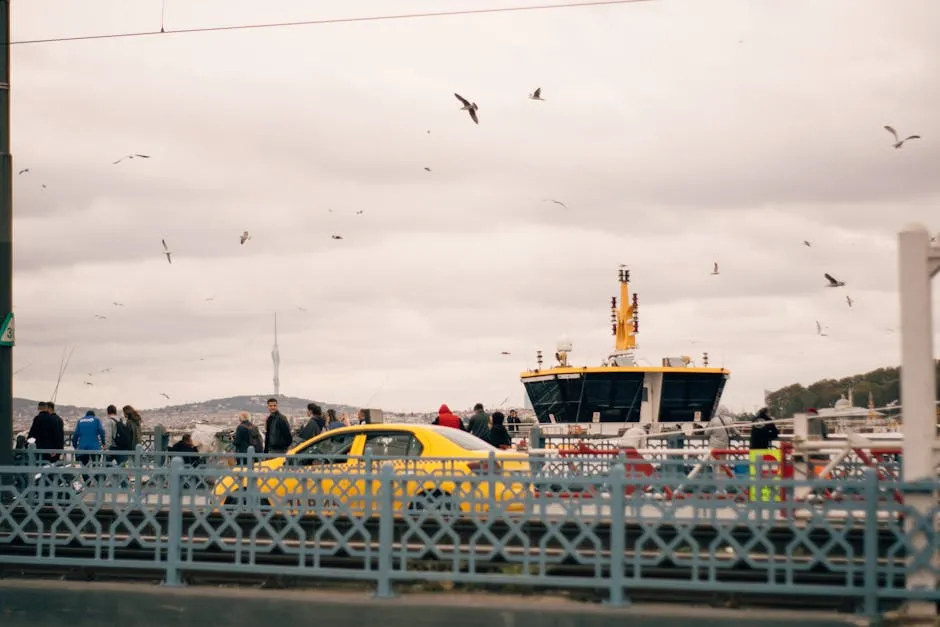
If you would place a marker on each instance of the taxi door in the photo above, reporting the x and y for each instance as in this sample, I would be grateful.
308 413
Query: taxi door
329 467
403 450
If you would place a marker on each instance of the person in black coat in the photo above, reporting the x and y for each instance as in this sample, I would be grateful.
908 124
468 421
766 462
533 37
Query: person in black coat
48 431
763 431
186 445
499 436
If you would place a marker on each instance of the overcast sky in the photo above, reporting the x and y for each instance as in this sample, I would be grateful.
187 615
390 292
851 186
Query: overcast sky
677 132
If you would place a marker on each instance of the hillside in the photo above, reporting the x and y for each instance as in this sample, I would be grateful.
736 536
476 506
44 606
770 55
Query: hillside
883 383
217 410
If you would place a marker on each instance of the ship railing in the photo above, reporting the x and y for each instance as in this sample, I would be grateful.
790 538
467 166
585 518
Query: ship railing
836 462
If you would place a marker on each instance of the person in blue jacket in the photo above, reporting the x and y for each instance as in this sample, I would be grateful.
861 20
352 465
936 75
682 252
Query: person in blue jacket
89 435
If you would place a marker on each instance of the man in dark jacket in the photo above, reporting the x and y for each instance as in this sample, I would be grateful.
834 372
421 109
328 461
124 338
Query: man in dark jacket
60 424
48 431
246 435
314 425
277 435
763 431
479 423
513 422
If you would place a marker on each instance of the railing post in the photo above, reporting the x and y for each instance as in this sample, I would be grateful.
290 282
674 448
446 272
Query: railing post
383 588
870 600
159 449
618 529
174 530
917 262
138 469
535 438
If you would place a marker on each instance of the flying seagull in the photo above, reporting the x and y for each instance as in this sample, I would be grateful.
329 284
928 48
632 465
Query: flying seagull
807 243
899 142
557 202
359 213
833 282
167 251
134 156
427 169
88 383
469 107
715 268
245 237
165 395
100 317
505 353
819 329
336 236
849 300
23 171
536 95
301 308
117 304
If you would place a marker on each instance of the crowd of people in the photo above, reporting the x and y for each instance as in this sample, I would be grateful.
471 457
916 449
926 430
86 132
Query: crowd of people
89 436
92 441
278 436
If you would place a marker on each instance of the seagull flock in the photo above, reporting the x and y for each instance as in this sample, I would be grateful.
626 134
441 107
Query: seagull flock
831 281
472 109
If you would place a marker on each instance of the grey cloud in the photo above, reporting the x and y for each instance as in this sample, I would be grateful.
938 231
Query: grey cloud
672 144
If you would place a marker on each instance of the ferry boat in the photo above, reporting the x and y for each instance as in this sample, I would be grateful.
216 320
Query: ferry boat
606 399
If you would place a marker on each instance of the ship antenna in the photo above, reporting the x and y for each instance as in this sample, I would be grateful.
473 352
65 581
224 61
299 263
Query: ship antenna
538 359
623 316
613 315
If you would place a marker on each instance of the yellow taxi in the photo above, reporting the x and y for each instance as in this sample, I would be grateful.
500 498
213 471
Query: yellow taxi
337 472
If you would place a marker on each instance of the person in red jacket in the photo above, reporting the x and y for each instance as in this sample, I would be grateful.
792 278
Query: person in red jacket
446 418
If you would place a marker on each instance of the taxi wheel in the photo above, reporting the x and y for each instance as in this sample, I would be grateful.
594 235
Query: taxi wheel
435 501
238 500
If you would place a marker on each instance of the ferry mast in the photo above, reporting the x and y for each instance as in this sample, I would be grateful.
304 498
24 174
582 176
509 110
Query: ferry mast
625 322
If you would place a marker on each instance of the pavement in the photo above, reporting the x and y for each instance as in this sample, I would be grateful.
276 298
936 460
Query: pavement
43 603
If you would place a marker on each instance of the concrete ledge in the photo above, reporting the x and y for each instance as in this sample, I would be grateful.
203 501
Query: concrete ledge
44 603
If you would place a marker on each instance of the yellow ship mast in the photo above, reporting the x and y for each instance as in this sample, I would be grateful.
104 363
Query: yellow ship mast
625 323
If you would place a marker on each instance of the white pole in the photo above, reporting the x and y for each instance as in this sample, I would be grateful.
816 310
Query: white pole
918 394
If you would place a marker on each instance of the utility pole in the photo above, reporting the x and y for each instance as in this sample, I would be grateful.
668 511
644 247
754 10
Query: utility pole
918 263
6 246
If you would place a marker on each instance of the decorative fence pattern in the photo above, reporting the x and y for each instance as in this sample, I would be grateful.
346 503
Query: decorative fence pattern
548 522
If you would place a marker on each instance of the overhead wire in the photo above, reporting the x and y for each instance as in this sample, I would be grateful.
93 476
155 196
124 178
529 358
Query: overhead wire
338 20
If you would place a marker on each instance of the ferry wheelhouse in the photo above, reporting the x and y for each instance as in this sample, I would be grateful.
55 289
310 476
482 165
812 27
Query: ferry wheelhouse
606 398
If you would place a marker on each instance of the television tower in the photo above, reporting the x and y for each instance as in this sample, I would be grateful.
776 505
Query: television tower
276 358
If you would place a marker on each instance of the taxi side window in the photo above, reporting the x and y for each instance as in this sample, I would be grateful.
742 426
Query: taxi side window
393 445
332 450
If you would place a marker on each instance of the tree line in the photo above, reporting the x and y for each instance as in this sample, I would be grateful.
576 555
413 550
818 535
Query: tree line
884 384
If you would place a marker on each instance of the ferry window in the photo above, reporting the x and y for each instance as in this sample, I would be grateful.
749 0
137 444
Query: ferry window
682 396
401 444
617 398
332 450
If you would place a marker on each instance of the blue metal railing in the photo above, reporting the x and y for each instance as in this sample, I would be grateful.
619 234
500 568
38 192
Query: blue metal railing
532 524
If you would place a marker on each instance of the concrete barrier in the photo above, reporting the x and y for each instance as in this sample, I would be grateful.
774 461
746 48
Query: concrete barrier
44 603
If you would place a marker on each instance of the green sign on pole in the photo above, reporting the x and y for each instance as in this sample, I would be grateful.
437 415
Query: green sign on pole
8 331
